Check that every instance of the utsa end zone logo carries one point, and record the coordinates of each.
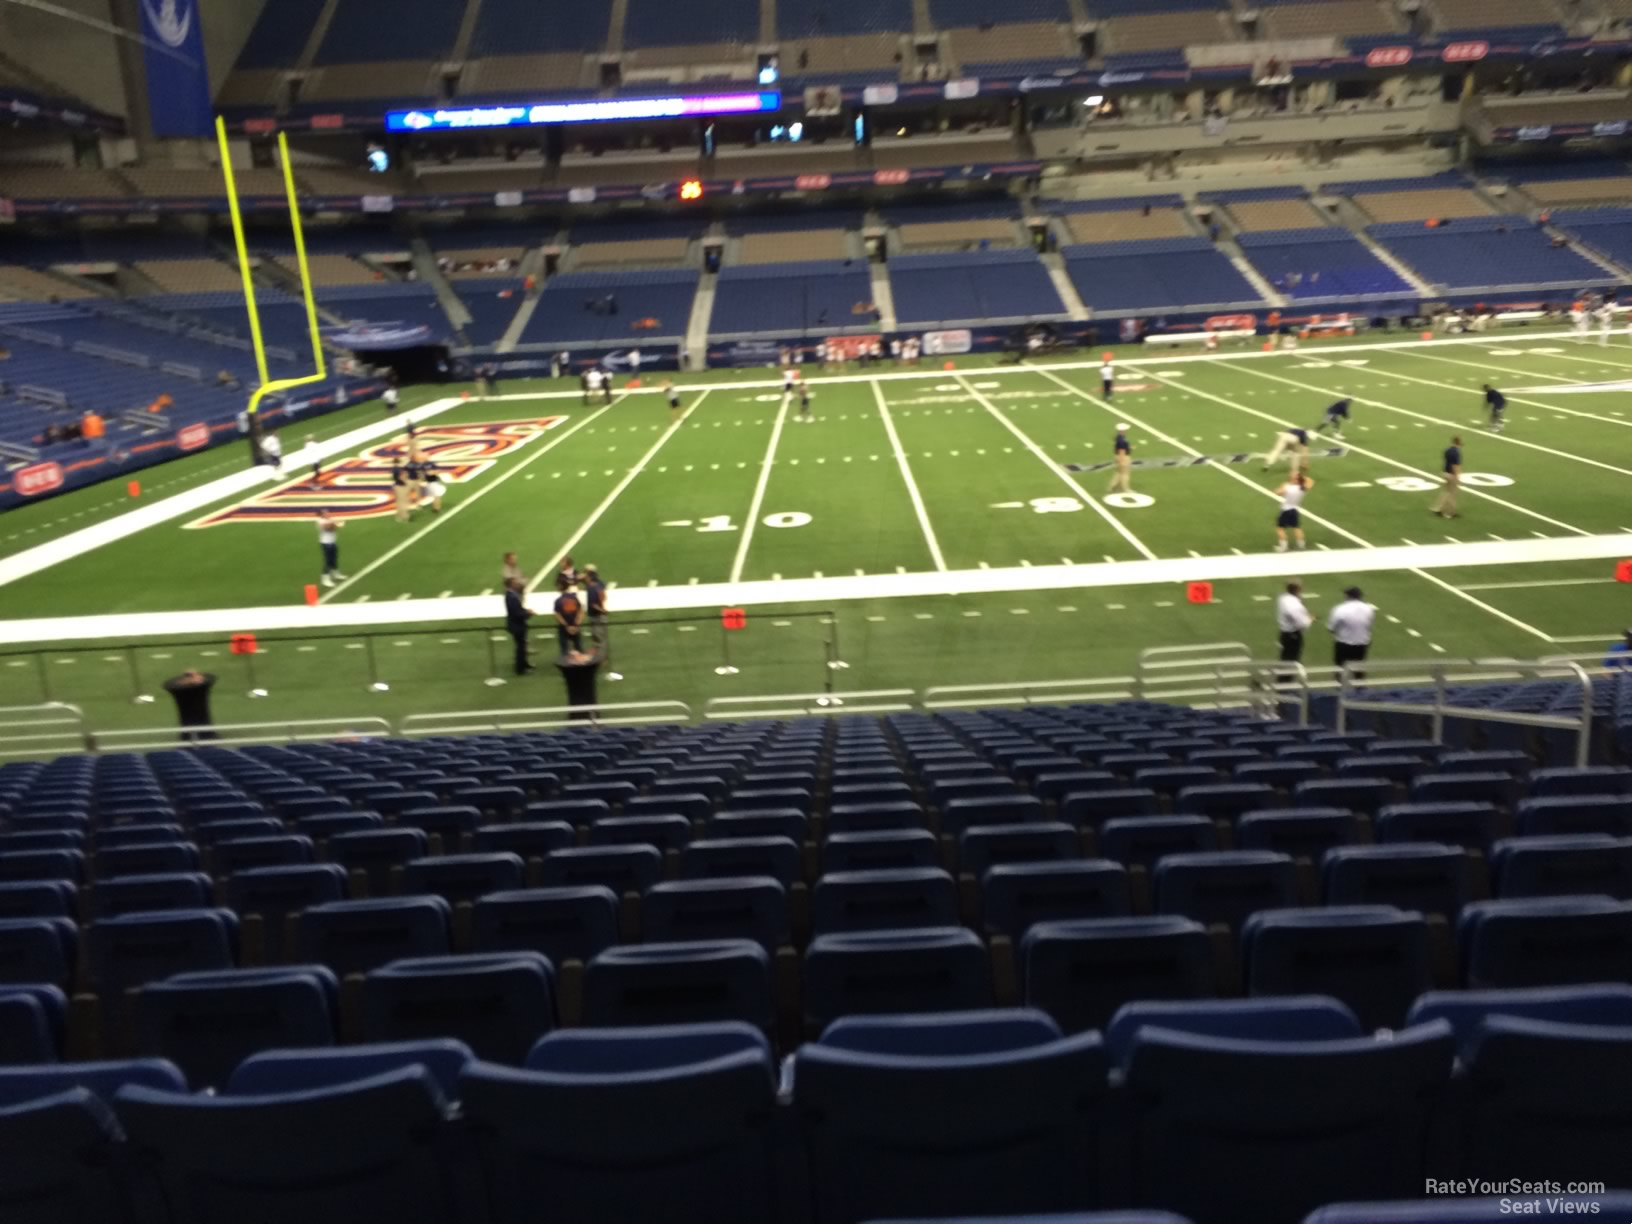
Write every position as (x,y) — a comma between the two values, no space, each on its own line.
(361,487)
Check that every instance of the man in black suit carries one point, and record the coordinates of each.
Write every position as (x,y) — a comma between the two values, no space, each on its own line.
(516,615)
(191,690)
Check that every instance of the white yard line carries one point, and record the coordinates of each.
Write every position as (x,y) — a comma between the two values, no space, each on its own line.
(1450,425)
(831,591)
(1043,456)
(462,504)
(1359,450)
(760,486)
(1544,582)
(606,504)
(912,485)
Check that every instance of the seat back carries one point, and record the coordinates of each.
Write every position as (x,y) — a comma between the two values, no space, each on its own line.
(1225,887)
(1292,1018)
(1016,896)
(873,972)
(1547,941)
(1569,864)
(565,924)
(1422,876)
(1081,971)
(356,936)
(497,1003)
(730,907)
(680,983)
(1373,958)
(880,900)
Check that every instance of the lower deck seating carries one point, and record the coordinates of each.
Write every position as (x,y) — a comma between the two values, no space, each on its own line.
(973,287)
(636,306)
(1320,263)
(793,298)
(1156,274)
(1491,251)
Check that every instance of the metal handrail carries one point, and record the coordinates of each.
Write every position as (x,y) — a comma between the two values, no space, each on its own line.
(958,696)
(46,714)
(804,705)
(286,731)
(615,714)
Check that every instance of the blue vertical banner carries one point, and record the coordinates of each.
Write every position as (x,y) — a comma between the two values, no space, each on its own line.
(178,80)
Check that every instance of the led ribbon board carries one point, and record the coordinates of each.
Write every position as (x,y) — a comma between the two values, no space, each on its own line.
(592,110)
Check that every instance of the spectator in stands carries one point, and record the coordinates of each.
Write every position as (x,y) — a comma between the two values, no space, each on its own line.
(91,427)
(1619,657)
(191,690)
(516,616)
(1350,624)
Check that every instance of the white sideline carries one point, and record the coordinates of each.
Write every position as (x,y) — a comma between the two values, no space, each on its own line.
(834,591)
(152,514)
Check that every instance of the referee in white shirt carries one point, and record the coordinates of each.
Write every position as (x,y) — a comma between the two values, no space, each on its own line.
(1350,624)
(1291,618)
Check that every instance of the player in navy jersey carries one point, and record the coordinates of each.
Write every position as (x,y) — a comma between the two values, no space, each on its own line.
(399,490)
(804,401)
(673,393)
(435,490)
(1294,443)
(1497,403)
(1336,417)
(1123,452)
(416,480)
(1445,504)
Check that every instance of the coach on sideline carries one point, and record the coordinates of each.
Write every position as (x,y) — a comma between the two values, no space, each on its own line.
(1351,624)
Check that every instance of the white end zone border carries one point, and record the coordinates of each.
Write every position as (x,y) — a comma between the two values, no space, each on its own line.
(833,592)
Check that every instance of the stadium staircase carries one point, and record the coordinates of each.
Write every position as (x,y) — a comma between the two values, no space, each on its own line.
(1253,277)
(923,21)
(1586,252)
(320,31)
(467,30)
(767,22)
(614,34)
(518,325)
(883,295)
(1055,263)
(702,310)
(1403,271)
(425,268)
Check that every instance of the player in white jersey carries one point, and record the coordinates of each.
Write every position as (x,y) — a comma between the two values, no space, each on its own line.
(1606,321)
(1290,518)
(1107,376)
(1581,320)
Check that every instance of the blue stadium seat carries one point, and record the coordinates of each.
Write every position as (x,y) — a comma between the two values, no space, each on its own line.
(1499,789)
(874,972)
(1289,1018)
(38,950)
(463,877)
(306,1070)
(881,850)
(151,858)
(529,839)
(1145,841)
(1373,958)
(860,818)
(962,813)
(664,832)
(43,865)
(724,907)
(321,828)
(134,893)
(208,1023)
(565,924)
(1333,1119)
(242,853)
(878,900)
(1535,1100)
(356,936)
(1227,800)
(1354,794)
(895,1129)
(363,1150)
(375,851)
(1582,780)
(983,846)
(1399,768)
(779,858)
(1094,807)
(131,950)
(274,893)
(1169,780)
(656,1124)
(497,1003)
(453,823)
(1603,1004)
(1471,825)
(1554,814)
(121,835)
(238,829)
(1081,971)
(623,869)
(680,983)
(1546,941)
(1578,864)
(1225,887)
(1421,876)
(33,1022)
(105,1078)
(695,806)
(1300,832)
(61,1160)
(47,839)
(1016,896)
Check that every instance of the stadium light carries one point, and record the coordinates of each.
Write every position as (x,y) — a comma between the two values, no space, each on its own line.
(691,189)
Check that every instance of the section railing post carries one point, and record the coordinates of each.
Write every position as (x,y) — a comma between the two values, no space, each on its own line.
(45,676)
(137,697)
(375,684)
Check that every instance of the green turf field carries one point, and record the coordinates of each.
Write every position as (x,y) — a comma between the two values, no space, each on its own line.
(911,472)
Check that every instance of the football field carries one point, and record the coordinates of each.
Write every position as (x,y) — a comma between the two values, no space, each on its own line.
(925,526)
